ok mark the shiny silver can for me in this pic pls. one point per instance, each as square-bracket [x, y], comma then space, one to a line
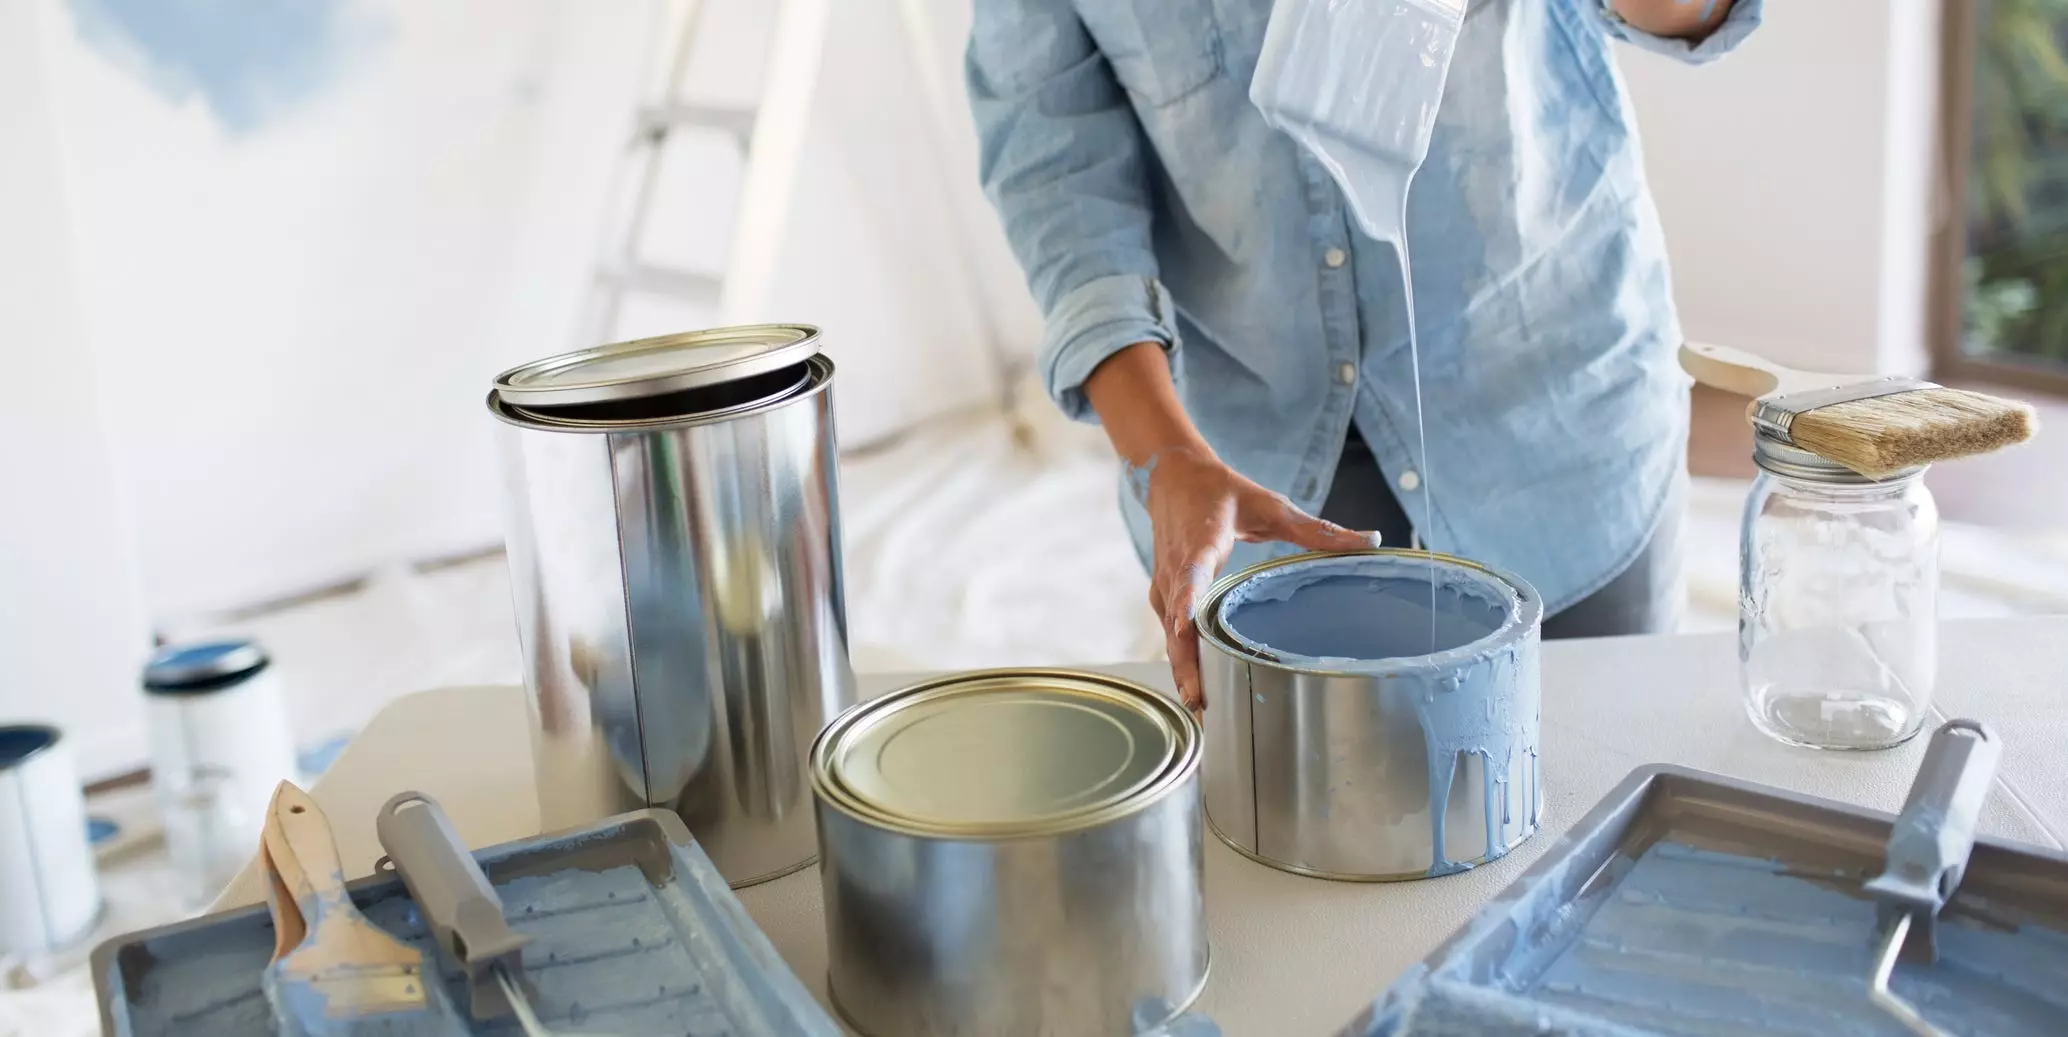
[674, 547]
[1354, 734]
[1012, 853]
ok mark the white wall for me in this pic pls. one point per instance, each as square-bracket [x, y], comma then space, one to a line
[1794, 180]
[297, 322]
[73, 631]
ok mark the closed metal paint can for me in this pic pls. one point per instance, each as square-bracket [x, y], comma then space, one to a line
[50, 895]
[1012, 853]
[674, 548]
[1372, 715]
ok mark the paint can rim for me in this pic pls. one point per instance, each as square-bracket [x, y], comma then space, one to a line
[1179, 761]
[1526, 617]
[815, 379]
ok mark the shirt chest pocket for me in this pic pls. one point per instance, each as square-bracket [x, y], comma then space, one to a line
[1161, 51]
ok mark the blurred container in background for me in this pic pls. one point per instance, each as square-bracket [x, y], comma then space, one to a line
[220, 743]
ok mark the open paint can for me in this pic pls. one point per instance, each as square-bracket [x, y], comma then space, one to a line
[673, 525]
[1358, 728]
[1012, 852]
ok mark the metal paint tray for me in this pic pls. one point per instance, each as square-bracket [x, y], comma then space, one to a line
[1688, 903]
[633, 932]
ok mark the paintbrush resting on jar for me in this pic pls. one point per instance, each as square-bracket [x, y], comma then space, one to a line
[1874, 426]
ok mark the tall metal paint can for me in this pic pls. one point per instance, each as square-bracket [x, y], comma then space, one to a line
[1012, 853]
[674, 548]
[50, 894]
[1381, 766]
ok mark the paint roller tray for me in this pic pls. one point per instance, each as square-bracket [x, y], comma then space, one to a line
[632, 932]
[1691, 904]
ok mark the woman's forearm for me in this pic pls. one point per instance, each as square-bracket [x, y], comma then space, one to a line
[1674, 19]
[1138, 405]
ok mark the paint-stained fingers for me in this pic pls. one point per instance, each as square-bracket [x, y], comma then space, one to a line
[1186, 591]
[1288, 524]
[1181, 641]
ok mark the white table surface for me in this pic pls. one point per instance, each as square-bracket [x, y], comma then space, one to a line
[1299, 957]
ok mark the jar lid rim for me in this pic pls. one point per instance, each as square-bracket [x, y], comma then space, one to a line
[1779, 457]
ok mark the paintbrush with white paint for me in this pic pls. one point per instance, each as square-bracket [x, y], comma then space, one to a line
[345, 977]
[1874, 426]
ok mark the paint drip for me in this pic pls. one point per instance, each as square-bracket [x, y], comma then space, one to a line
[1358, 86]
[1414, 356]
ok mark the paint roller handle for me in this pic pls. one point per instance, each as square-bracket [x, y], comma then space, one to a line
[1929, 846]
[459, 905]
[1740, 373]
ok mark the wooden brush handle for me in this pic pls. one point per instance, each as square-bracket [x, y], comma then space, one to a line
[288, 928]
[306, 854]
[1746, 374]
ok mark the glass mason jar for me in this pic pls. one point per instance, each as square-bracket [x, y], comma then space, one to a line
[1838, 602]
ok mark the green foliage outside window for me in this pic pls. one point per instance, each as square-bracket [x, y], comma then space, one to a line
[2017, 245]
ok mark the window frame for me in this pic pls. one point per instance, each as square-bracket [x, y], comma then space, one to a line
[1947, 295]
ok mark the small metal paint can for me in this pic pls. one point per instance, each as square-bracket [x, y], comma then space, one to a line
[1012, 853]
[1386, 766]
[49, 892]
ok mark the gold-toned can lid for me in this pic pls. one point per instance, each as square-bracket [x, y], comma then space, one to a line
[1002, 752]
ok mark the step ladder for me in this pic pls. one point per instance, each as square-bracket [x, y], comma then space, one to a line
[769, 134]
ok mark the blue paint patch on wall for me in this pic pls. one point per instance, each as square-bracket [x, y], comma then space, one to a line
[249, 61]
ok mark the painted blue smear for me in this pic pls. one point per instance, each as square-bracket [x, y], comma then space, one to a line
[100, 831]
[249, 61]
[318, 758]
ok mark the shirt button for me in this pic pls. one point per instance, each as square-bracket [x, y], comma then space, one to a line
[1410, 480]
[1335, 257]
[1347, 374]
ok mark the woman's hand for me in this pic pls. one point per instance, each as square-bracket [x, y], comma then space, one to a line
[1198, 506]
[1198, 509]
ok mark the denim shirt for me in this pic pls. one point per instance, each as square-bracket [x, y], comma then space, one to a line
[1147, 200]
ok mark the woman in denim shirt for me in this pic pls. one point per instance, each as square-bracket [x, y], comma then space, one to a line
[1209, 301]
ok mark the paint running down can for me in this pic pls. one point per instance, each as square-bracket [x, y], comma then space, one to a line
[674, 547]
[1355, 733]
[1012, 853]
[49, 892]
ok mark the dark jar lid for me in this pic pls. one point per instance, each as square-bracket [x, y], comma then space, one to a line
[202, 666]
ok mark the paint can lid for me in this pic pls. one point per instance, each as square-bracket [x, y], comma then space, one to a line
[202, 666]
[20, 743]
[1003, 752]
[657, 366]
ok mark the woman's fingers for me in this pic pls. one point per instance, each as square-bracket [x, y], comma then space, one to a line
[1277, 519]
[1184, 582]
[1181, 641]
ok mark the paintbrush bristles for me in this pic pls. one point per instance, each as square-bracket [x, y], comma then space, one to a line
[1881, 436]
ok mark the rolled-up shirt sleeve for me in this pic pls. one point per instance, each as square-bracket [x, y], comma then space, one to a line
[1060, 153]
[1744, 17]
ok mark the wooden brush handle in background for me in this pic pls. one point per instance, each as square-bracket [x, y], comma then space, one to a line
[298, 836]
[1745, 374]
[288, 928]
